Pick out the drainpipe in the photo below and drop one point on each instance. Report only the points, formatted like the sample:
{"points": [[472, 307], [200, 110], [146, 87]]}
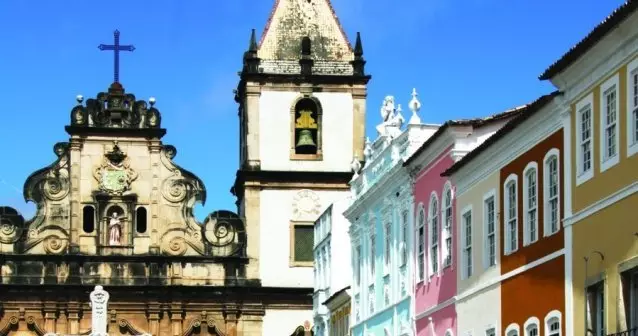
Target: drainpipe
{"points": [[602, 258], [432, 325]]}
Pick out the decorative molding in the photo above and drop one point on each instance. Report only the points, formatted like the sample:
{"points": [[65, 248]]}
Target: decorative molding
{"points": [[196, 324], [601, 204], [538, 127], [497, 280]]}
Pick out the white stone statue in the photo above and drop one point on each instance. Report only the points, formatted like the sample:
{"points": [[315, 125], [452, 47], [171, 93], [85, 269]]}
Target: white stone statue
{"points": [[391, 122], [115, 230], [99, 310]]}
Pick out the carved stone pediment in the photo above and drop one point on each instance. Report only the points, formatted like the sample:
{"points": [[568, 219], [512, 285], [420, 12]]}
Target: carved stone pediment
{"points": [[115, 175]]}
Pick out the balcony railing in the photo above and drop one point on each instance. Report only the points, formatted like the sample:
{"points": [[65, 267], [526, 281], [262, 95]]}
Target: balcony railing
{"points": [[630, 332]]}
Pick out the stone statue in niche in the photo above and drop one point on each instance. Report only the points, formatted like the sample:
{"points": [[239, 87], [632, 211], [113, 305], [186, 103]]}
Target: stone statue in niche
{"points": [[115, 230]]}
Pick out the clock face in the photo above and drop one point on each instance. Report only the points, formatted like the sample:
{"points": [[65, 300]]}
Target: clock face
{"points": [[306, 204]]}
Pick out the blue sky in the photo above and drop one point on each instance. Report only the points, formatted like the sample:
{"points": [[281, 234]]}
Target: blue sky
{"points": [[467, 58]]}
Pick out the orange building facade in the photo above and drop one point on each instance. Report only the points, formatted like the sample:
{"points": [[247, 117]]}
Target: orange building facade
{"points": [[532, 257]]}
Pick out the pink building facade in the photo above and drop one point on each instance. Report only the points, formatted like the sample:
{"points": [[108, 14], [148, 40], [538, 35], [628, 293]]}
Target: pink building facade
{"points": [[435, 269], [436, 233]]}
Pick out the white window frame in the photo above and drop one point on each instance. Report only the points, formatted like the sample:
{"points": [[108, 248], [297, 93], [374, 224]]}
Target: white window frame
{"points": [[421, 243], [551, 317], [605, 161], [387, 246], [527, 226], [532, 321], [372, 248], [584, 176], [405, 232], [447, 232], [554, 152], [507, 250], [632, 139], [512, 327], [434, 244], [486, 233], [358, 261], [466, 249]]}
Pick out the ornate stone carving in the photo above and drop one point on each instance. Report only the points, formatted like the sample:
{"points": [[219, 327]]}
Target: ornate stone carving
{"points": [[115, 109], [115, 174], [306, 205], [53, 244], [11, 225]]}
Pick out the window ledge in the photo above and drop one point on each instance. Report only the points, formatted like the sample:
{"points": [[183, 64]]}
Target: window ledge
{"points": [[306, 157], [632, 149], [609, 162], [584, 177]]}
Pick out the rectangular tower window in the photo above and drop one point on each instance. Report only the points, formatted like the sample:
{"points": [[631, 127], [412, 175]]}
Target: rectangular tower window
{"points": [[302, 244]]}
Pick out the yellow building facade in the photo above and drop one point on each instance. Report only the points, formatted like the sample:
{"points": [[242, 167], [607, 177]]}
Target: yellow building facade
{"points": [[339, 306], [599, 81]]}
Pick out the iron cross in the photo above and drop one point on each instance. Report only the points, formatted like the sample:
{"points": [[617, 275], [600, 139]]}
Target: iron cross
{"points": [[116, 47]]}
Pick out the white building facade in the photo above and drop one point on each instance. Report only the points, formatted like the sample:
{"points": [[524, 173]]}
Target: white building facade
{"points": [[381, 217], [332, 267], [302, 120]]}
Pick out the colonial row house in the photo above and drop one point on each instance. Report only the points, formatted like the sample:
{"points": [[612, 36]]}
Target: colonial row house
{"points": [[599, 111]]}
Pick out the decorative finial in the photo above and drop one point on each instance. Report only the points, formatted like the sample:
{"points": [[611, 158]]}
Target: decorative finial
{"points": [[79, 99], [367, 151], [355, 166], [415, 106], [151, 101]]}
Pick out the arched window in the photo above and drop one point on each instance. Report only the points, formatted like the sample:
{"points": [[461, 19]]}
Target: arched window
{"points": [[551, 192], [531, 326], [306, 130], [420, 243], [553, 323], [88, 219], [446, 212], [530, 203], [433, 223], [511, 215], [140, 220], [512, 330]]}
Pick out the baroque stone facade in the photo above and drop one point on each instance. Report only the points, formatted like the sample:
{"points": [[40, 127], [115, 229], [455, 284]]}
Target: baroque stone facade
{"points": [[114, 209]]}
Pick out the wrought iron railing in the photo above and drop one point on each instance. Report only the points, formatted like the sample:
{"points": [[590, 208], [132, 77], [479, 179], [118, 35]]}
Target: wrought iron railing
{"points": [[629, 332]]}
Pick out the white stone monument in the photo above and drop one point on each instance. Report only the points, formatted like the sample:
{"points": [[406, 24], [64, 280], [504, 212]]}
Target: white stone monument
{"points": [[99, 304]]}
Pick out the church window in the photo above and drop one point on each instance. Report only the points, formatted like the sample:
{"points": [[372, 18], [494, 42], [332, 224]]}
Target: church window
{"points": [[140, 220], [88, 219], [302, 244], [306, 127]]}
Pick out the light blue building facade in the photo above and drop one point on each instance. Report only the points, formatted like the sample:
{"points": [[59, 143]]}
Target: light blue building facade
{"points": [[381, 230]]}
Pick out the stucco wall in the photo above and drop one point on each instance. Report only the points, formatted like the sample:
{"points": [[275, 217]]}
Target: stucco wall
{"points": [[441, 286], [275, 127]]}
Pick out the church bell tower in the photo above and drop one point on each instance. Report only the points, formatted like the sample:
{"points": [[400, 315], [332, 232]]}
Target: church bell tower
{"points": [[302, 104]]}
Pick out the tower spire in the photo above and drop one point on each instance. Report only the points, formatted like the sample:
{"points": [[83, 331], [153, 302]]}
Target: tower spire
{"points": [[358, 64]]}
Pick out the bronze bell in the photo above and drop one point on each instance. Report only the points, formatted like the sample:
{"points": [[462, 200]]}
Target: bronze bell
{"points": [[306, 141]]}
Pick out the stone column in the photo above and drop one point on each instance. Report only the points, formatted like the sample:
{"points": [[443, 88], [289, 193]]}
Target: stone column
{"points": [[73, 311], [231, 315], [253, 93], [153, 218], [50, 315], [252, 215], [75, 149], [153, 311], [177, 317], [359, 94]]}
